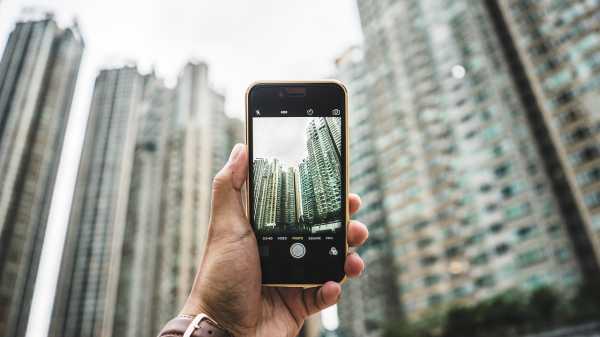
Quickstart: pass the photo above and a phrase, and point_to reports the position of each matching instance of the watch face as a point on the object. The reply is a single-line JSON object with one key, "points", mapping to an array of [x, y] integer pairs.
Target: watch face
{"points": [[297, 141]]}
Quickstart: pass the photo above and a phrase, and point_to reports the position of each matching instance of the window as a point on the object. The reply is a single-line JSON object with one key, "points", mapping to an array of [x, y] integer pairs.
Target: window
{"points": [[563, 98], [459, 292], [579, 134], [480, 259], [562, 254], [431, 280], [485, 188], [592, 200], [508, 192], [473, 239], [502, 248], [531, 257], [526, 232], [424, 242], [435, 299], [491, 207], [589, 177], [498, 150], [553, 228], [453, 251], [491, 132], [420, 225], [468, 220], [496, 227], [532, 169], [481, 96], [502, 170], [428, 260], [486, 115], [485, 281], [569, 117], [517, 211]]}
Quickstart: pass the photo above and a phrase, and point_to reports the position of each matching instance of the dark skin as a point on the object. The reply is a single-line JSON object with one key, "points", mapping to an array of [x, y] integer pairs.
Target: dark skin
{"points": [[228, 282]]}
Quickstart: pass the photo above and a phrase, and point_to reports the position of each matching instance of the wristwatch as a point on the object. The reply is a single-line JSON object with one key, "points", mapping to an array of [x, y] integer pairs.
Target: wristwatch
{"points": [[193, 326]]}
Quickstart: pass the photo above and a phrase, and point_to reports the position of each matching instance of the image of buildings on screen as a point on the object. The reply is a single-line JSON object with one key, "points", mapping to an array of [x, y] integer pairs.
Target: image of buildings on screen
{"points": [[305, 198]]}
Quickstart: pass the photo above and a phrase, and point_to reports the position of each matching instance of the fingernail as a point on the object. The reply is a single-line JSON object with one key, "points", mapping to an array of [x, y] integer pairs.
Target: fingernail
{"points": [[235, 153]]}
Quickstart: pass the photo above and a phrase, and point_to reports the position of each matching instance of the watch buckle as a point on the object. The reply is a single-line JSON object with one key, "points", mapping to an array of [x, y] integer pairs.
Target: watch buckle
{"points": [[195, 324]]}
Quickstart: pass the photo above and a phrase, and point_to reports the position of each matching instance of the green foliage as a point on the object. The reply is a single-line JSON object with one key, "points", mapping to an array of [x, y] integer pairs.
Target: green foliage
{"points": [[545, 306], [586, 304], [510, 313]]}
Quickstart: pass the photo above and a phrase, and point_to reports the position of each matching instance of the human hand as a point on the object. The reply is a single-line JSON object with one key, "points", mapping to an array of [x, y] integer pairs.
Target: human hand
{"points": [[228, 281]]}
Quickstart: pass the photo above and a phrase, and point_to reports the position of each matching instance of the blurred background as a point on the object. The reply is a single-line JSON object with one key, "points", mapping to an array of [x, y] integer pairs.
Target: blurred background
{"points": [[475, 146]]}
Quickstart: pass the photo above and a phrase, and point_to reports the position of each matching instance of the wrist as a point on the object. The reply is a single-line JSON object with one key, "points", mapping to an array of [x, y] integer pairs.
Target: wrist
{"points": [[193, 307], [193, 326]]}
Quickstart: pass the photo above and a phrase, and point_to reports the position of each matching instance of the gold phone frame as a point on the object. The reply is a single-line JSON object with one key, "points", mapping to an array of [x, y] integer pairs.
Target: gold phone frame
{"points": [[346, 161]]}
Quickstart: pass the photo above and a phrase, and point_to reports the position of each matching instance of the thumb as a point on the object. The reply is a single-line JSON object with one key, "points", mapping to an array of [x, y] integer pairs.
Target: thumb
{"points": [[227, 184]]}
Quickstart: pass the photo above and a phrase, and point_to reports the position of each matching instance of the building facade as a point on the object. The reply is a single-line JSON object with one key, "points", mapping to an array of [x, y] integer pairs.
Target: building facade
{"points": [[199, 139], [38, 73], [467, 199], [372, 299], [555, 57], [86, 295], [137, 308]]}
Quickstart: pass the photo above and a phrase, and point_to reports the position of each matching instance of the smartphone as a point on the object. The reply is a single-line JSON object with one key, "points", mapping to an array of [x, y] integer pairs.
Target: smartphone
{"points": [[297, 140]]}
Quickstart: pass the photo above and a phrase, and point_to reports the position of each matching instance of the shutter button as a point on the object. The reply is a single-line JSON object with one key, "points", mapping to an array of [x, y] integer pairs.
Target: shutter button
{"points": [[297, 250]]}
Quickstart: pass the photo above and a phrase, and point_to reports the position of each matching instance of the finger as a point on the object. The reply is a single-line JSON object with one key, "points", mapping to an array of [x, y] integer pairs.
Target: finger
{"points": [[227, 184], [354, 202], [317, 299], [357, 233], [354, 265]]}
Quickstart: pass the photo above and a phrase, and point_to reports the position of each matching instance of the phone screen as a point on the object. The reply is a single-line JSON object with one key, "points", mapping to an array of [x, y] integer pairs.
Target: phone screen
{"points": [[296, 136]]}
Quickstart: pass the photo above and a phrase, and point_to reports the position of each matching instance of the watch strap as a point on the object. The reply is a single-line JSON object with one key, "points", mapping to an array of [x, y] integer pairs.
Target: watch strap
{"points": [[193, 326]]}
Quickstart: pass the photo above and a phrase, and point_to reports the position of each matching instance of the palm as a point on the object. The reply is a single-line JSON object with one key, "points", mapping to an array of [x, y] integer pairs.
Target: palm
{"points": [[282, 309], [278, 318]]}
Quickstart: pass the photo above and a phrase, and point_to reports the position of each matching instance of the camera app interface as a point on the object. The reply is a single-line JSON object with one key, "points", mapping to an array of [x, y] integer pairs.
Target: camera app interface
{"points": [[297, 192], [297, 176]]}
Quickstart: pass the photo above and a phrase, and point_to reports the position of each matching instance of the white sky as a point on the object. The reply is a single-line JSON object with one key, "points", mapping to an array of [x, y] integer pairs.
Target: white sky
{"points": [[283, 138], [242, 41]]}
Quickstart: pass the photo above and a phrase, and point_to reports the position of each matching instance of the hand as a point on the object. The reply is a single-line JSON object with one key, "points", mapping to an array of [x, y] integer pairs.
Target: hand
{"points": [[228, 282]]}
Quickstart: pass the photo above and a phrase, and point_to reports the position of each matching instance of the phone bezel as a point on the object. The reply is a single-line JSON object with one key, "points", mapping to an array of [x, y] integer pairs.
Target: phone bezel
{"points": [[346, 161]]}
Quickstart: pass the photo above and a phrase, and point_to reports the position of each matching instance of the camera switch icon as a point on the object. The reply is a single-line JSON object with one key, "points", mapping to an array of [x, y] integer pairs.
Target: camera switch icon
{"points": [[333, 251]]}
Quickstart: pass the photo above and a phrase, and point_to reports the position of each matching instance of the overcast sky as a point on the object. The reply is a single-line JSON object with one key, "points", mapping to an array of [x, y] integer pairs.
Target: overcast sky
{"points": [[283, 138], [242, 41]]}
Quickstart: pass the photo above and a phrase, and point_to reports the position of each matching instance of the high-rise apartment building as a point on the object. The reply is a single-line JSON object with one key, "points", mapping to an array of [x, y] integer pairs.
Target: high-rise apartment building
{"points": [[307, 201], [324, 163], [38, 73], [554, 51], [372, 299], [138, 299], [198, 143], [268, 176], [86, 295], [141, 205], [465, 192], [289, 190]]}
